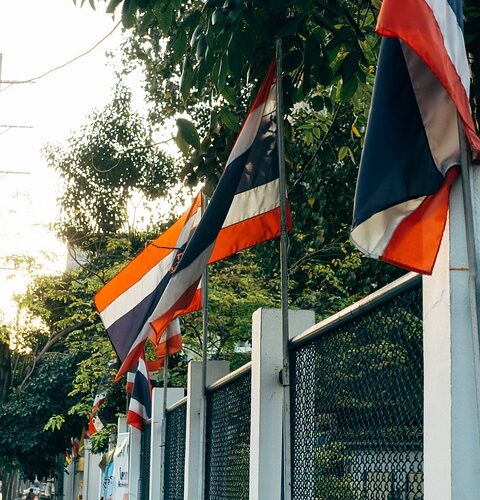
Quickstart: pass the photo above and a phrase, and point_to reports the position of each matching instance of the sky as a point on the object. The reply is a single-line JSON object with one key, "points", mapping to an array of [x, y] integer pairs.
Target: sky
{"points": [[36, 36]]}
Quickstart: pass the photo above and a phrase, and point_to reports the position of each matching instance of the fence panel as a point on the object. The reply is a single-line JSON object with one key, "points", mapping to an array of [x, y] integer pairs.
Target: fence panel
{"points": [[357, 406], [145, 463], [175, 452], [228, 440]]}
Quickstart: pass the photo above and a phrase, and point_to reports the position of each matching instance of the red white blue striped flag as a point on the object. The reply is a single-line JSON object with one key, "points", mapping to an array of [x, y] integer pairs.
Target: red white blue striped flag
{"points": [[140, 406], [411, 149], [127, 302], [244, 210]]}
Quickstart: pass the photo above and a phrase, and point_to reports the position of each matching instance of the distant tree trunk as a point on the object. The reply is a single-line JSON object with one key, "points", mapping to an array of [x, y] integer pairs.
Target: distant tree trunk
{"points": [[7, 484], [5, 371]]}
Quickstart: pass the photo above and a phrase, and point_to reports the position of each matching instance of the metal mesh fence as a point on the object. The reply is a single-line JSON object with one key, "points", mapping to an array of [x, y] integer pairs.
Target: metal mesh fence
{"points": [[357, 406], [145, 463], [175, 453], [228, 440]]}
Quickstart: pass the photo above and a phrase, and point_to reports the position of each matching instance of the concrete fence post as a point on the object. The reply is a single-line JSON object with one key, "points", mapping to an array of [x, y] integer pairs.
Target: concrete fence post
{"points": [[134, 464], [451, 430], [157, 455], [195, 442], [267, 394]]}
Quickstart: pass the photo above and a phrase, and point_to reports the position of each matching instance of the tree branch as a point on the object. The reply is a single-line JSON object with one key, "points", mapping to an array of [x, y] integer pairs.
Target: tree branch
{"points": [[50, 343]]}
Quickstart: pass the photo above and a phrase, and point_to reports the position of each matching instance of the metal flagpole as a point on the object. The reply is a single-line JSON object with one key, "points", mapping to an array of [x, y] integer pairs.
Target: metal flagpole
{"points": [[473, 277], [163, 443], [204, 361], [204, 314], [286, 476]]}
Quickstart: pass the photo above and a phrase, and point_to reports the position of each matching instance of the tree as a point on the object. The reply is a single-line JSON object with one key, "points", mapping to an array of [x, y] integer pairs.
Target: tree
{"points": [[111, 158]]}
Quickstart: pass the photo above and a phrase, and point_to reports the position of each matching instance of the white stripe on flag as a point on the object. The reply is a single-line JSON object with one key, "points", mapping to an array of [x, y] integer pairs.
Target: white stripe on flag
{"points": [[131, 297], [249, 131], [177, 286], [437, 110], [253, 202], [453, 38], [375, 233]]}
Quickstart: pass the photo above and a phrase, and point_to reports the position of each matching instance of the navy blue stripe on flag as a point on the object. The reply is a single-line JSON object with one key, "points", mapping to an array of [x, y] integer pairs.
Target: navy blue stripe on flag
{"points": [[135, 319], [262, 156], [396, 163], [457, 7], [141, 392], [257, 166]]}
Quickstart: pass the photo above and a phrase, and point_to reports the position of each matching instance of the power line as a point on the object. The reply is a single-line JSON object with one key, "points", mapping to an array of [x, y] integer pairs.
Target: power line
{"points": [[31, 80], [18, 172]]}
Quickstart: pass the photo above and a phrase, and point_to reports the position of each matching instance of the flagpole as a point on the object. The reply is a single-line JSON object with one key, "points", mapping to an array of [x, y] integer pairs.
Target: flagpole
{"points": [[204, 314], [204, 362], [473, 276], [286, 476], [163, 443]]}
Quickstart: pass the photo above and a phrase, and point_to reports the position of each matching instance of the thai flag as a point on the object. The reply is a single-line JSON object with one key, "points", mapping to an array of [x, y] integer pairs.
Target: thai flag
{"points": [[140, 407], [95, 423], [169, 341], [98, 416], [129, 382], [127, 302], [244, 210], [411, 149]]}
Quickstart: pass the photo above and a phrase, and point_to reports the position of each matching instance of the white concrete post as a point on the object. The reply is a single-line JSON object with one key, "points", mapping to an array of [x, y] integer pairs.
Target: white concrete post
{"points": [[134, 464], [91, 473], [174, 394], [452, 449], [267, 397], [194, 445]]}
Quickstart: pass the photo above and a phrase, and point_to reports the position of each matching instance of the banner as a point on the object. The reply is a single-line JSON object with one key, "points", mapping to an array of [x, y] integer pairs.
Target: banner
{"points": [[108, 483], [120, 466]]}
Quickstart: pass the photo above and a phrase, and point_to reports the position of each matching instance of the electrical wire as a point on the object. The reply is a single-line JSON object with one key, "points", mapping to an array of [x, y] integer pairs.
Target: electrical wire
{"points": [[30, 80]]}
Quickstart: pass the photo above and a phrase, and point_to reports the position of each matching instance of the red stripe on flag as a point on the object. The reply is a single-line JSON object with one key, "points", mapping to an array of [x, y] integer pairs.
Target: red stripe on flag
{"points": [[171, 346], [416, 241], [422, 33], [146, 260], [188, 302], [247, 233]]}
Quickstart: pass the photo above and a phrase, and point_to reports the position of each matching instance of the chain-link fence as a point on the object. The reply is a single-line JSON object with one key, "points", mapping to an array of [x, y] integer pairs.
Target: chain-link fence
{"points": [[145, 463], [357, 403], [175, 452], [228, 440]]}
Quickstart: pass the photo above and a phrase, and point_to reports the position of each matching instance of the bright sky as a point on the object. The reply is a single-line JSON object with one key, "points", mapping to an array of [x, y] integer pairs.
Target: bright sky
{"points": [[36, 36]]}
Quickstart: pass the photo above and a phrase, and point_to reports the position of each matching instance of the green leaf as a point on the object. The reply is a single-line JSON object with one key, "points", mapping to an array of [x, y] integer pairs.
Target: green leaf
{"points": [[146, 22], [196, 34], [343, 152], [129, 10], [229, 95], [182, 144], [235, 62], [201, 47], [113, 4], [178, 46], [222, 73], [229, 120], [349, 65], [348, 89], [186, 80], [164, 16], [188, 132]]}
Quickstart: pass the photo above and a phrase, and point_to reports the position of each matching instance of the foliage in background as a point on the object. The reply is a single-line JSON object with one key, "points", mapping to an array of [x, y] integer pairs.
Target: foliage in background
{"points": [[111, 158], [202, 63], [23, 443]]}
